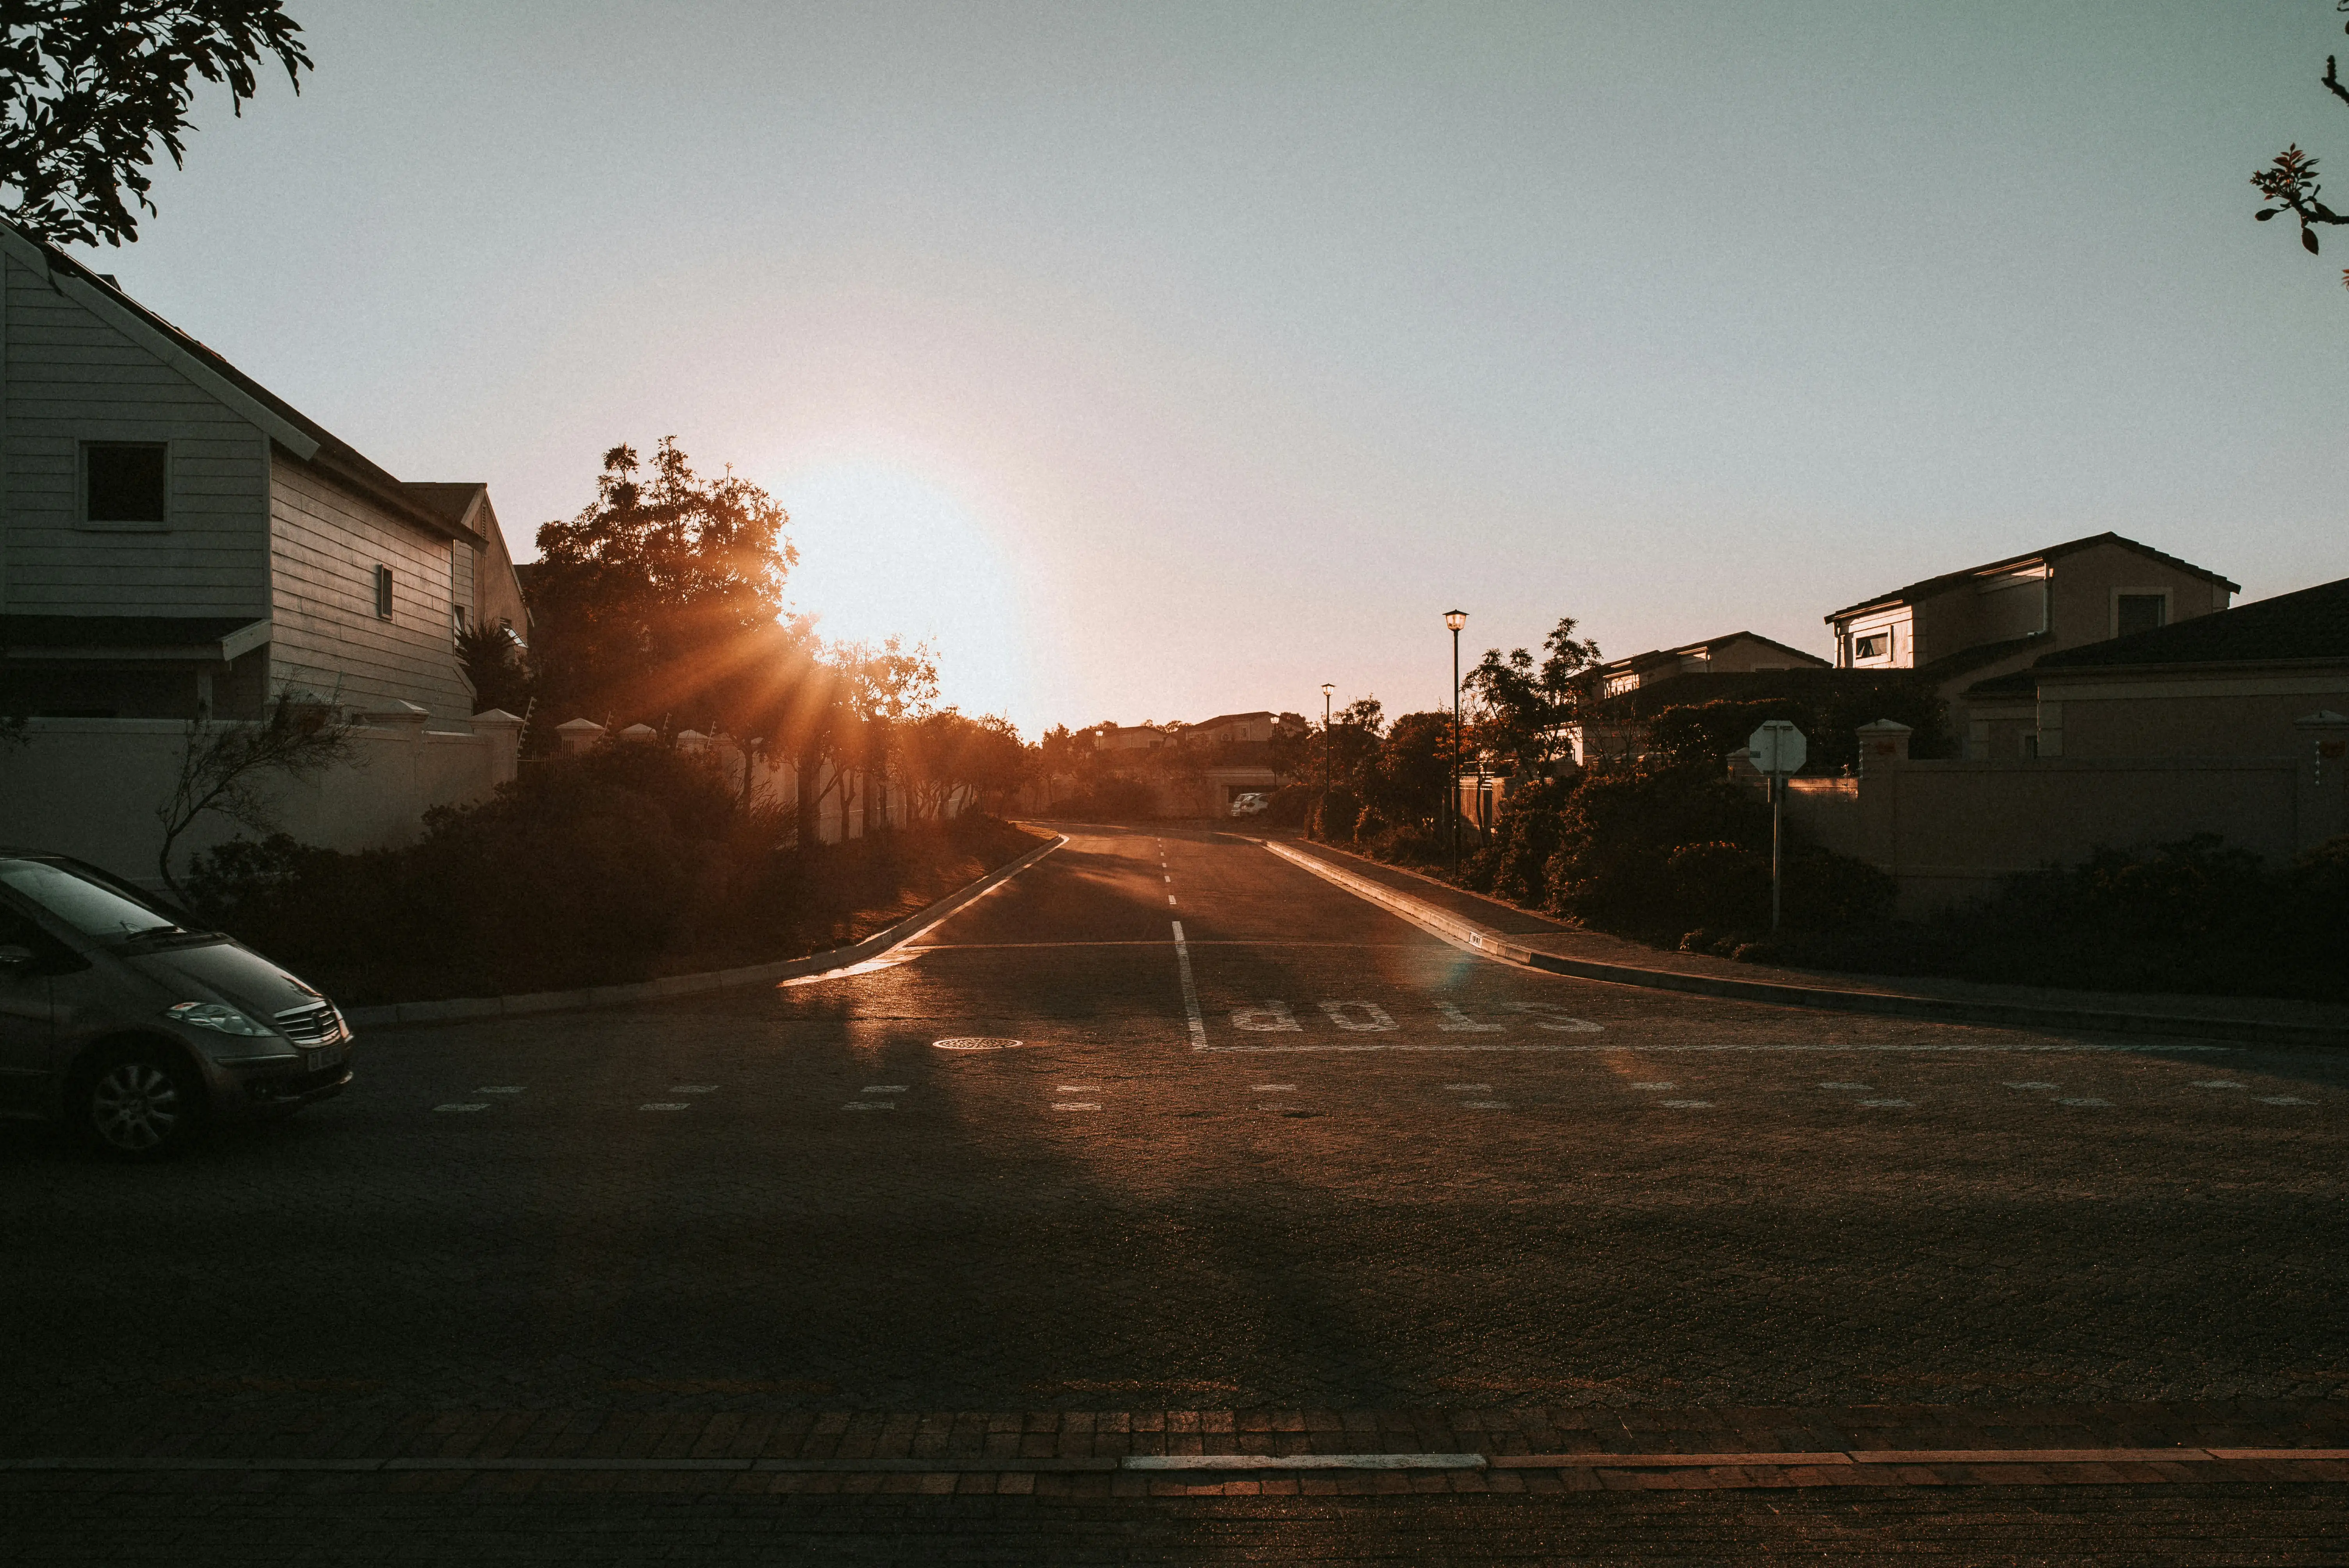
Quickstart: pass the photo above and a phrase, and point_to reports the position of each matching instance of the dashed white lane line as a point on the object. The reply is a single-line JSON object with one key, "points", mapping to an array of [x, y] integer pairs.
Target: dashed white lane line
{"points": [[480, 1105], [885, 1089], [1484, 1105], [2031, 1086], [2084, 1101], [1887, 1103], [2281, 1100], [1843, 1086], [1078, 1089], [1469, 1088], [1170, 898], [1075, 1105], [693, 1089], [1689, 1104], [665, 1104], [1654, 1086], [2219, 1083], [1272, 1088], [852, 1104], [499, 1089], [1190, 991]]}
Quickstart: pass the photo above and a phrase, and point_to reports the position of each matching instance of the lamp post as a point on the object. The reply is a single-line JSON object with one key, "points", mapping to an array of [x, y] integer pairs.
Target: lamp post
{"points": [[1326, 690], [1455, 619]]}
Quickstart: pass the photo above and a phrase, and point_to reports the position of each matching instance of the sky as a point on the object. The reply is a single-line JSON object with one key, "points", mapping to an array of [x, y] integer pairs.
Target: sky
{"points": [[1166, 359]]}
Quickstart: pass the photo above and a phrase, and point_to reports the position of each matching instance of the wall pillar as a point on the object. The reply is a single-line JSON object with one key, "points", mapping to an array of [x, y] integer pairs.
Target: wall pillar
{"points": [[503, 732], [579, 734], [1883, 752], [2322, 790]]}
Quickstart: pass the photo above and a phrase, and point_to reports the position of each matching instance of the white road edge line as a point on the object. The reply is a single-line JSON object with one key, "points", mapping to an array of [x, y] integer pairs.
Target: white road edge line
{"points": [[1190, 991]]}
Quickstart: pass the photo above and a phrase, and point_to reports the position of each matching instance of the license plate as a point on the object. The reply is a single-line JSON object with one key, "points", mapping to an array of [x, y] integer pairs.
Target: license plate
{"points": [[325, 1057]]}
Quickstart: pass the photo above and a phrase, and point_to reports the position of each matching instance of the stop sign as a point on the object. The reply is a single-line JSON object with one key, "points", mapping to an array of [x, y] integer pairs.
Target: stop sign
{"points": [[1777, 748]]}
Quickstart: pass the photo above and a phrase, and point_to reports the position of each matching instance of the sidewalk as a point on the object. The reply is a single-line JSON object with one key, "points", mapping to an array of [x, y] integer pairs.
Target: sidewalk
{"points": [[1520, 935]]}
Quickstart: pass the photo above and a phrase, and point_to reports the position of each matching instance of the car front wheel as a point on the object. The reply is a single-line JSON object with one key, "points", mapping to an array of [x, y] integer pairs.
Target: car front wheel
{"points": [[140, 1103]]}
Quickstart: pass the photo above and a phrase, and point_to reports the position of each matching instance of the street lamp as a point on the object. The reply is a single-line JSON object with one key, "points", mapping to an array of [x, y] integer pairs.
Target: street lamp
{"points": [[1455, 619], [1326, 690]]}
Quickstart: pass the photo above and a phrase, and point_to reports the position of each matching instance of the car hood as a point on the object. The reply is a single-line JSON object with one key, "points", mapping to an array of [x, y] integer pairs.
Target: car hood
{"points": [[237, 976]]}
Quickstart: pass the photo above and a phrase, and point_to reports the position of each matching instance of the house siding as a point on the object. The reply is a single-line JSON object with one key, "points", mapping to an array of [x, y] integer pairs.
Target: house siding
{"points": [[71, 378], [326, 543]]}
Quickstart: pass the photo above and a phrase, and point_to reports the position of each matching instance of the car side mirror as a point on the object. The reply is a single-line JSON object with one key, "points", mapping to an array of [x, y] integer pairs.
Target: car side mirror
{"points": [[13, 954]]}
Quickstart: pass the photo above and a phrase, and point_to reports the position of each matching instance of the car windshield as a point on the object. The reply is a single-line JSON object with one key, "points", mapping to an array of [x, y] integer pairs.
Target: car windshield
{"points": [[90, 907]]}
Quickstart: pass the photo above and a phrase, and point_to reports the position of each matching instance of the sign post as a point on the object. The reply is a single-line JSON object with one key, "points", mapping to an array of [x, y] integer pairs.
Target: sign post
{"points": [[1777, 749]]}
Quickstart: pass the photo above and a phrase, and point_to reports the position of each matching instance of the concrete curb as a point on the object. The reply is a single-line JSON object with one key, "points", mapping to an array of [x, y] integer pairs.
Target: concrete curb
{"points": [[458, 1009], [1465, 933]]}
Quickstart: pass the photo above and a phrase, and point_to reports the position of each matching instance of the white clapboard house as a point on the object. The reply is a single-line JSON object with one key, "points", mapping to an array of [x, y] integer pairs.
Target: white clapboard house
{"points": [[177, 540]]}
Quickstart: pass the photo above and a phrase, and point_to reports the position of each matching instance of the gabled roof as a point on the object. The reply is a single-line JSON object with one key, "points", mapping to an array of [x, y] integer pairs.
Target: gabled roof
{"points": [[2309, 625], [286, 425], [1673, 656], [1928, 587], [459, 504], [1230, 718]]}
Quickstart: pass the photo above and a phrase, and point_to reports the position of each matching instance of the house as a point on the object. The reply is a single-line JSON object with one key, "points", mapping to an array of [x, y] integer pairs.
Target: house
{"points": [[1129, 738], [1962, 628], [1734, 653], [2233, 683], [178, 544], [2231, 722], [178, 538]]}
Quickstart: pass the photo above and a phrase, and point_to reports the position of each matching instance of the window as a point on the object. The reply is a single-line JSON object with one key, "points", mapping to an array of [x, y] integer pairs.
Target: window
{"points": [[1875, 646], [2031, 748], [2140, 613], [126, 482], [383, 593], [457, 620]]}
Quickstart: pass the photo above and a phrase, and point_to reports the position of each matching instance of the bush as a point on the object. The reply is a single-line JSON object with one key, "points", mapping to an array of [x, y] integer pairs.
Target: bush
{"points": [[1334, 815], [1111, 799], [624, 864], [1289, 807]]}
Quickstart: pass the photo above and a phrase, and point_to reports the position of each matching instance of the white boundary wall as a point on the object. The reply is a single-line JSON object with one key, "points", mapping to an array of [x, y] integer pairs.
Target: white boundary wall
{"points": [[90, 787]]}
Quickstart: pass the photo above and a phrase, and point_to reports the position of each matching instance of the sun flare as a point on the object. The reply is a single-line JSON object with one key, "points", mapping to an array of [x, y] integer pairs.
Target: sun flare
{"points": [[885, 552]]}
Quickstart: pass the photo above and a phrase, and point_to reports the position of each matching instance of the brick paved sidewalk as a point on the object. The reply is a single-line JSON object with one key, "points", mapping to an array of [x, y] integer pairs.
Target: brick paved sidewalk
{"points": [[1544, 935], [1177, 1452]]}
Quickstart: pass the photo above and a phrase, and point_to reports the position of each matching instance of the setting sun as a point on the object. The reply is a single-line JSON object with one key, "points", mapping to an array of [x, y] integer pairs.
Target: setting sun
{"points": [[885, 552]]}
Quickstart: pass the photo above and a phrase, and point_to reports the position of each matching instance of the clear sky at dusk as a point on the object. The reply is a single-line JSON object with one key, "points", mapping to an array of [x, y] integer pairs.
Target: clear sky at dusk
{"points": [[1168, 360]]}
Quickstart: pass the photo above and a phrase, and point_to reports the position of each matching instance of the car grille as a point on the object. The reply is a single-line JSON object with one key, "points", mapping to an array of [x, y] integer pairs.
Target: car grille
{"points": [[310, 1026]]}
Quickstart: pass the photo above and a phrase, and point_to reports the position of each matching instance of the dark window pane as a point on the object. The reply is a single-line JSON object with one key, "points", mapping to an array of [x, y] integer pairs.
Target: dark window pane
{"points": [[383, 592], [2142, 611], [126, 483]]}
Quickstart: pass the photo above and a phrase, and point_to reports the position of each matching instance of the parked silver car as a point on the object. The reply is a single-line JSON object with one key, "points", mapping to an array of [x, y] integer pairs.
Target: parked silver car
{"points": [[140, 1029]]}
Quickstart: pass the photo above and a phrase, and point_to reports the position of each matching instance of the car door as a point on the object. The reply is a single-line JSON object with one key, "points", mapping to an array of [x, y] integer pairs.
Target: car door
{"points": [[24, 1014]]}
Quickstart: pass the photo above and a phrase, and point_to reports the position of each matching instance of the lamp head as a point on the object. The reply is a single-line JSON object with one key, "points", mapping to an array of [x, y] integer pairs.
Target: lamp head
{"points": [[1455, 619], [1327, 688]]}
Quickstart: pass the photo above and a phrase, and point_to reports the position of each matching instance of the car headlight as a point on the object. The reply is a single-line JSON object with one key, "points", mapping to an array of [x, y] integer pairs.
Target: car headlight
{"points": [[217, 1017]]}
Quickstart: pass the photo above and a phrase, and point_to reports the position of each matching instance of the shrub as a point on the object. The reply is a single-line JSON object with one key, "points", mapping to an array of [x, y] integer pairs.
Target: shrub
{"points": [[1334, 815], [1289, 807], [1111, 799], [585, 871]]}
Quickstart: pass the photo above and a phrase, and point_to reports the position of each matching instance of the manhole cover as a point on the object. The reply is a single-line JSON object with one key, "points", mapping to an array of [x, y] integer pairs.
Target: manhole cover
{"points": [[975, 1042]]}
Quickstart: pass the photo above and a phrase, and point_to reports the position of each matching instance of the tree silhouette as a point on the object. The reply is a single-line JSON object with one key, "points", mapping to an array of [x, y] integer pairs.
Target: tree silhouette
{"points": [[89, 88], [2289, 178]]}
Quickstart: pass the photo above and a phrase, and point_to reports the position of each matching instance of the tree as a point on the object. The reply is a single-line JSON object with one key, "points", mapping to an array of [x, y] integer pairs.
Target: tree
{"points": [[661, 601], [227, 767], [492, 660], [2289, 180], [1524, 704], [1410, 778], [948, 757], [89, 88]]}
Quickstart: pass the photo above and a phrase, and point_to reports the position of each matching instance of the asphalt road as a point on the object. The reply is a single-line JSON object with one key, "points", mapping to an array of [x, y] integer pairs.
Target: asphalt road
{"points": [[1052, 1158]]}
